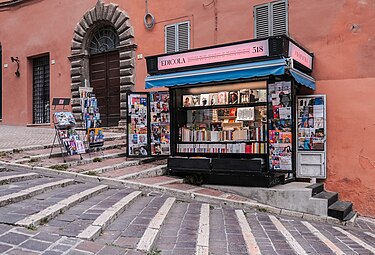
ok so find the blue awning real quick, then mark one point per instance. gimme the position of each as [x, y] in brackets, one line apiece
[240, 71]
[303, 79]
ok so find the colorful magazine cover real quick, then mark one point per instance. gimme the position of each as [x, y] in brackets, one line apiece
[64, 119]
[233, 97]
[187, 100]
[95, 137]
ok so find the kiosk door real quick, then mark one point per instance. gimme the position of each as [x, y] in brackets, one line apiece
[311, 136]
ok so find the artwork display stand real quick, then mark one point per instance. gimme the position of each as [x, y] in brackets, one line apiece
[65, 134]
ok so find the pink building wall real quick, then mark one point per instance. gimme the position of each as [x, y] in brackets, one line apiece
[341, 33]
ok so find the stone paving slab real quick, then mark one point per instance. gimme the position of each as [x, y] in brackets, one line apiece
[20, 136]
[178, 235]
[75, 160]
[39, 154]
[128, 170]
[75, 220]
[159, 180]
[18, 241]
[96, 165]
[17, 177]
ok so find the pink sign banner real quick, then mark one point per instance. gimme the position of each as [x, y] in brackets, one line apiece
[300, 55]
[222, 54]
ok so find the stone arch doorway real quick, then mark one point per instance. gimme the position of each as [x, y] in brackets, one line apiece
[108, 16]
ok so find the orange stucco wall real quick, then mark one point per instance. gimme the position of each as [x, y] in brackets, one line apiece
[351, 150]
[341, 33]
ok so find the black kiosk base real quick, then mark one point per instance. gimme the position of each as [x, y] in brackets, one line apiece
[234, 172]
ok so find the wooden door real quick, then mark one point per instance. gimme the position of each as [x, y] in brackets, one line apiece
[105, 80]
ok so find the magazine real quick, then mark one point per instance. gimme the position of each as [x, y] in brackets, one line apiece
[233, 97]
[213, 99]
[204, 99]
[187, 100]
[95, 137]
[64, 119]
[195, 100]
[222, 97]
[244, 96]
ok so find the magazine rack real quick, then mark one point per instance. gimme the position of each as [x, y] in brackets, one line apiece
[65, 134]
[94, 136]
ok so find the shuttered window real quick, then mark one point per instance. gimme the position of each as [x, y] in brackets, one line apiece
[271, 19]
[177, 37]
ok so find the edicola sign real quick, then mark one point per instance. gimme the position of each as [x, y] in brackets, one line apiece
[300, 55]
[215, 55]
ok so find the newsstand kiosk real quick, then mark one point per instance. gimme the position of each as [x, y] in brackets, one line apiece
[231, 113]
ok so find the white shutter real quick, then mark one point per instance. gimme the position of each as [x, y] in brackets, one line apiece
[279, 18]
[170, 38]
[183, 32]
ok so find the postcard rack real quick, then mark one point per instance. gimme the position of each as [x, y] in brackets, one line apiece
[91, 119]
[65, 133]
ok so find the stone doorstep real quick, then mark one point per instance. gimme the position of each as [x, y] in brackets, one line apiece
[184, 195]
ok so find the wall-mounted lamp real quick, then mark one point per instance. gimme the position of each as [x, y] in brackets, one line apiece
[18, 65]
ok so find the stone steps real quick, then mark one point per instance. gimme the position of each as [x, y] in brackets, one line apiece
[38, 155]
[108, 216]
[17, 177]
[33, 191]
[342, 210]
[15, 212]
[122, 217]
[50, 212]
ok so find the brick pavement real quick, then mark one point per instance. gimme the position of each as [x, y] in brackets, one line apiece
[179, 232]
[16, 137]
[19, 136]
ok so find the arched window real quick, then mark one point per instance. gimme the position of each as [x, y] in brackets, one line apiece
[105, 39]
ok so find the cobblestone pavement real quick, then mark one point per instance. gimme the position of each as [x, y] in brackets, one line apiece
[43, 214]
[46, 212]
[15, 137]
[20, 136]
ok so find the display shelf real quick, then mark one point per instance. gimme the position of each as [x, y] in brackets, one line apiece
[223, 142]
[222, 155]
[223, 106]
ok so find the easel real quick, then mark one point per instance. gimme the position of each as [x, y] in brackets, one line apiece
[60, 102]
